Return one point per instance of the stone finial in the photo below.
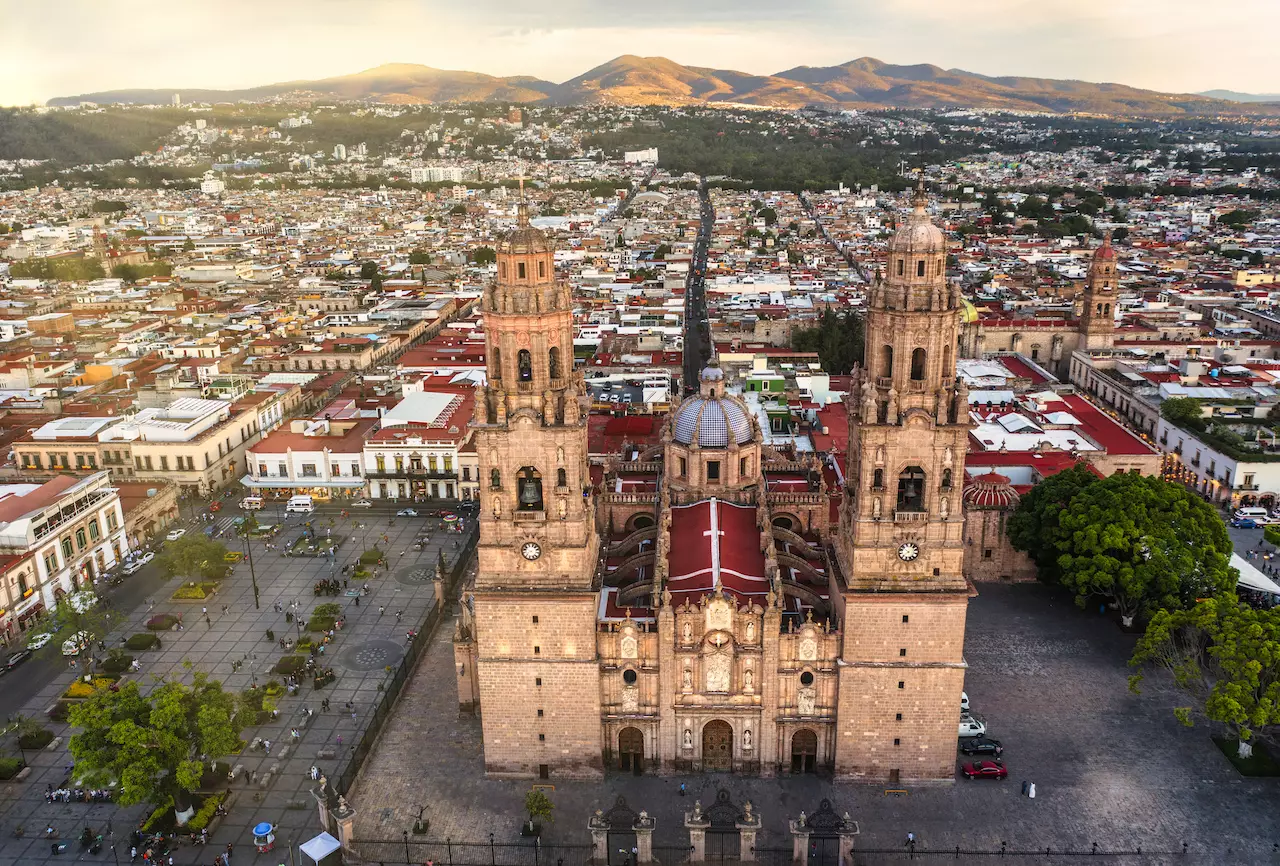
(800, 821)
(697, 810)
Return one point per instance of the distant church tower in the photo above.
(1097, 318)
(900, 541)
(535, 601)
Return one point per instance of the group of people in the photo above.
(327, 587)
(77, 795)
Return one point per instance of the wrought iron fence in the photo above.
(448, 853)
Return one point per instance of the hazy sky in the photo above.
(64, 47)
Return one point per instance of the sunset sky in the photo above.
(66, 47)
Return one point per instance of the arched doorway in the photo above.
(631, 750)
(785, 522)
(717, 747)
(804, 751)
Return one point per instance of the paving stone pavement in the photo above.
(1051, 681)
(359, 655)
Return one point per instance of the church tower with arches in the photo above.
(1098, 315)
(532, 639)
(899, 542)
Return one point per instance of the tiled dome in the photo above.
(918, 234)
(991, 490)
(709, 422)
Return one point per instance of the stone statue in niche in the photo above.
(947, 456)
(751, 632)
(808, 649)
(868, 404)
(560, 454)
(718, 615)
(688, 632)
(808, 700)
(627, 647)
(718, 673)
(688, 738)
(562, 508)
(748, 680)
(688, 680)
(497, 506)
(880, 455)
(944, 508)
(875, 507)
(746, 740)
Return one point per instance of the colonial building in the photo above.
(699, 609)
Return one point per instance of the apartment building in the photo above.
(319, 457)
(415, 454)
(55, 537)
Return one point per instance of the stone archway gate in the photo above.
(615, 833)
(723, 832)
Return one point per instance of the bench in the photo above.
(236, 772)
(547, 788)
(897, 792)
(326, 754)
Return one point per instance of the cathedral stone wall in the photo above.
(988, 554)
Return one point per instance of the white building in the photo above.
(416, 454)
(340, 152)
(213, 186)
(645, 157)
(313, 457)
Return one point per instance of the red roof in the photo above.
(1112, 436)
(712, 543)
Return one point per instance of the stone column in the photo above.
(697, 823)
(848, 830)
(599, 828)
(799, 841)
(322, 805)
(644, 837)
(345, 816)
(748, 826)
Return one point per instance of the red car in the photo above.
(984, 770)
(215, 506)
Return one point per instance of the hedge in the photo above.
(196, 591)
(200, 820)
(10, 767)
(142, 641)
(117, 662)
(328, 609)
(162, 622)
(289, 665)
(320, 623)
(36, 739)
(369, 557)
(157, 816)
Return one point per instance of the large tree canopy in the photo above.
(1033, 528)
(193, 555)
(155, 746)
(1226, 656)
(1144, 543)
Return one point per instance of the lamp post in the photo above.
(246, 528)
(406, 847)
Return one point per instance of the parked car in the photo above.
(971, 727)
(984, 770)
(215, 506)
(406, 512)
(39, 641)
(1244, 523)
(135, 564)
(362, 503)
(982, 746)
(76, 644)
(175, 534)
(964, 702)
(17, 658)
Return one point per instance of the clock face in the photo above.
(530, 551)
(908, 551)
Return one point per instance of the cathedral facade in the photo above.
(710, 605)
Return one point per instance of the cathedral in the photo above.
(710, 605)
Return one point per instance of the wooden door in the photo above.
(717, 746)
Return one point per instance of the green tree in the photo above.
(188, 245)
(838, 340)
(1238, 218)
(769, 215)
(1119, 234)
(1226, 656)
(458, 209)
(1144, 543)
(1033, 527)
(63, 269)
(484, 256)
(368, 270)
(106, 206)
(156, 747)
(419, 257)
(539, 806)
(662, 252)
(1182, 411)
(375, 284)
(76, 615)
(193, 555)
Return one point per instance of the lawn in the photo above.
(1261, 763)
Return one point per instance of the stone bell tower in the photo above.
(900, 542)
(1097, 317)
(535, 597)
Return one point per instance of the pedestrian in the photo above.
(357, 601)
(339, 739)
(208, 622)
(353, 715)
(205, 611)
(344, 583)
(911, 839)
(133, 854)
(381, 610)
(399, 614)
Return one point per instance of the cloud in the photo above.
(63, 47)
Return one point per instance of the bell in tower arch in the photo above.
(530, 483)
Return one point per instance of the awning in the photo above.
(320, 847)
(1252, 578)
(284, 483)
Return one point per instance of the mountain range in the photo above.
(865, 83)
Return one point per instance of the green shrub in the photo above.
(157, 816)
(200, 820)
(117, 662)
(329, 609)
(369, 557)
(289, 665)
(60, 710)
(362, 573)
(162, 622)
(194, 591)
(35, 739)
(320, 623)
(273, 688)
(10, 767)
(141, 641)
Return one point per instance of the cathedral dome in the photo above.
(524, 238)
(991, 490)
(710, 422)
(1106, 252)
(918, 234)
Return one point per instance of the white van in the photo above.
(301, 504)
(251, 503)
(1258, 514)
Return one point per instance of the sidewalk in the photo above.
(359, 655)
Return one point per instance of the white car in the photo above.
(971, 727)
(362, 503)
(964, 702)
(175, 534)
(39, 641)
(76, 644)
(406, 512)
(134, 565)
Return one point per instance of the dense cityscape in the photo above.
(718, 459)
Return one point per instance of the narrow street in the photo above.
(697, 331)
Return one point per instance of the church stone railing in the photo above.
(796, 498)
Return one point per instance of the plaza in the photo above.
(234, 649)
(1110, 767)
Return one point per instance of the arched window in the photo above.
(877, 479)
(946, 363)
(553, 362)
(901, 266)
(920, 268)
(946, 479)
(1099, 309)
(1106, 310)
(520, 270)
(542, 269)
(917, 364)
(502, 270)
(562, 478)
(495, 479)
(497, 364)
(886, 362)
(529, 487)
(525, 363)
(911, 489)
